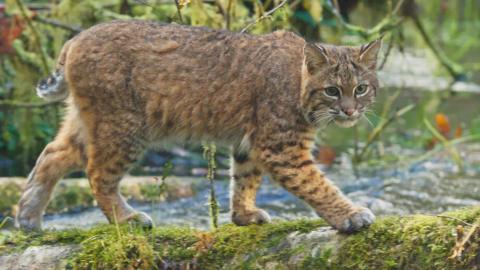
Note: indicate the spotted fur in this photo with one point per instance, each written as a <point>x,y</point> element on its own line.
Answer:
<point>132,84</point>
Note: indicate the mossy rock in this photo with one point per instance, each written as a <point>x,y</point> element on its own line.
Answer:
<point>410,242</point>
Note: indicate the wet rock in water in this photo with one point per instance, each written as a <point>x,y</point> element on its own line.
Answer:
<point>41,257</point>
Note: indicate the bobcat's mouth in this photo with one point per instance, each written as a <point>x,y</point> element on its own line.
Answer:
<point>346,122</point>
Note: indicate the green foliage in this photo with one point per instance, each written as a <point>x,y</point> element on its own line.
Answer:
<point>24,130</point>
<point>422,242</point>
<point>209,155</point>
<point>10,194</point>
<point>411,242</point>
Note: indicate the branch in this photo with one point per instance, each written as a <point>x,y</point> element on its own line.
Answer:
<point>378,130</point>
<point>178,11</point>
<point>26,105</point>
<point>264,16</point>
<point>397,7</point>
<point>72,28</point>
<point>464,139</point>
<point>389,22</point>
<point>227,17</point>
<point>455,70</point>
<point>221,8</point>
<point>35,34</point>
<point>167,2</point>
<point>452,218</point>
<point>387,54</point>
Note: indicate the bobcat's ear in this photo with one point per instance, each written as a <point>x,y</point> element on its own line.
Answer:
<point>315,57</point>
<point>369,52</point>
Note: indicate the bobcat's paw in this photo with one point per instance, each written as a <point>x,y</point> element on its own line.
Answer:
<point>359,219</point>
<point>141,219</point>
<point>257,216</point>
<point>28,224</point>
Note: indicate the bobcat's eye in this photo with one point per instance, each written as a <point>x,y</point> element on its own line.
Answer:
<point>332,91</point>
<point>361,90</point>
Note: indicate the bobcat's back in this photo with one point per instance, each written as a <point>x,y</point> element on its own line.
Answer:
<point>185,82</point>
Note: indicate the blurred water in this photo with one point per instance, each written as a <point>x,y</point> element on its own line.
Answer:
<point>430,186</point>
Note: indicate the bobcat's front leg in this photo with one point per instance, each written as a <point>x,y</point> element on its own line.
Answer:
<point>291,165</point>
<point>246,179</point>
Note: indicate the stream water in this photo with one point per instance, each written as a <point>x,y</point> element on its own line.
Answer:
<point>430,186</point>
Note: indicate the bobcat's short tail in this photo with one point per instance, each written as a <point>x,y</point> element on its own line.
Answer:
<point>53,88</point>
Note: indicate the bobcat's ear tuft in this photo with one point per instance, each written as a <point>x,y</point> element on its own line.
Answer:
<point>369,52</point>
<point>315,57</point>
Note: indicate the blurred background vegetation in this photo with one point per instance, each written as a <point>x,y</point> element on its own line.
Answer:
<point>446,32</point>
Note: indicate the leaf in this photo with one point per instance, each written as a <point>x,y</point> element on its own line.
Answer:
<point>182,3</point>
<point>314,7</point>
<point>453,152</point>
<point>10,29</point>
<point>326,155</point>
<point>443,124</point>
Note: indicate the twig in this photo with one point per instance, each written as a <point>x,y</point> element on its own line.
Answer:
<point>227,17</point>
<point>387,53</point>
<point>397,7</point>
<point>209,151</point>
<point>71,28</point>
<point>145,3</point>
<point>221,8</point>
<point>27,105</point>
<point>264,16</point>
<point>460,244</point>
<point>378,130</point>
<point>294,4</point>
<point>389,22</point>
<point>438,149</point>
<point>178,11</point>
<point>455,70</point>
<point>35,34</point>
<point>453,218</point>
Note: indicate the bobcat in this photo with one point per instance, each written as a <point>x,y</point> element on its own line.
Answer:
<point>131,84</point>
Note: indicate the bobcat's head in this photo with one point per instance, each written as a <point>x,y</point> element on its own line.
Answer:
<point>338,82</point>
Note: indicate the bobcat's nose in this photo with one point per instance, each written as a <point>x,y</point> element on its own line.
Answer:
<point>348,111</point>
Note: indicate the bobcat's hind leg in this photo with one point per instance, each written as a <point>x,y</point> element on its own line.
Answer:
<point>65,154</point>
<point>110,155</point>
<point>246,179</point>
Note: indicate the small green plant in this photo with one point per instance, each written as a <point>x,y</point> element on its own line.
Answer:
<point>209,151</point>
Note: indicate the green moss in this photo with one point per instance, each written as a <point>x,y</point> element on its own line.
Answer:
<point>416,242</point>
<point>232,241</point>
<point>412,242</point>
